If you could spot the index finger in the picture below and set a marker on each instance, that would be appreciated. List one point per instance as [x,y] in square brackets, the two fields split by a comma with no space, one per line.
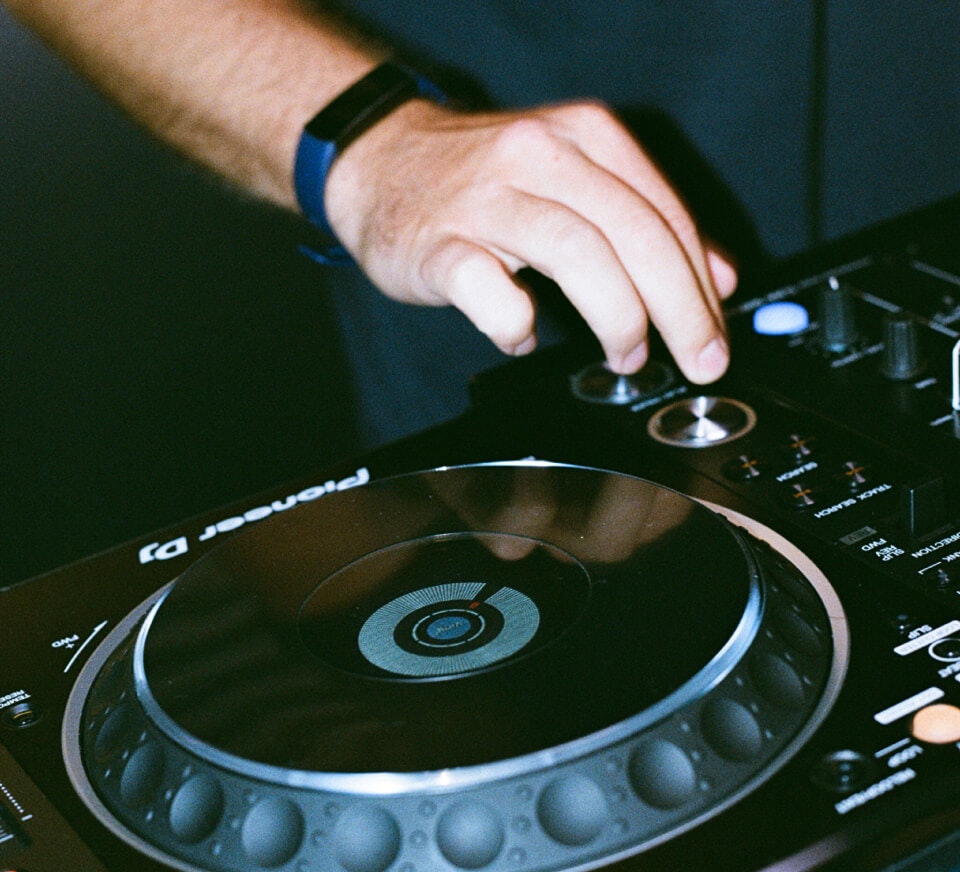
[656,238]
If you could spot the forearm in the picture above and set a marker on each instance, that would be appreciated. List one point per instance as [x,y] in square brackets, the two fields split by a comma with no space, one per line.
[437,207]
[230,83]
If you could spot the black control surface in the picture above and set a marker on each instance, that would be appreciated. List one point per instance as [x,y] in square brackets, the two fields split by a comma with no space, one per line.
[837,428]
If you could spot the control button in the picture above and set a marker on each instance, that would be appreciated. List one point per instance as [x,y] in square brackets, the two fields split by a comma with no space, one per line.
[272,832]
[798,633]
[801,496]
[780,319]
[662,774]
[731,730]
[115,730]
[598,384]
[843,772]
[470,835]
[743,468]
[799,447]
[901,359]
[141,776]
[366,838]
[196,808]
[572,810]
[838,328]
[700,422]
[778,682]
[937,724]
[853,475]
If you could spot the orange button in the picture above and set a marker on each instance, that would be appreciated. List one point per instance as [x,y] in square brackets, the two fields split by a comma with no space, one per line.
[937,724]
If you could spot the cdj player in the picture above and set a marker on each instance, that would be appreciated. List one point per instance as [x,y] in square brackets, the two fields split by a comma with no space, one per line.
[596,622]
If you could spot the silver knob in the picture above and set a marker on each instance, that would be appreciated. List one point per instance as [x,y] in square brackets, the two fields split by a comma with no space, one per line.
[598,384]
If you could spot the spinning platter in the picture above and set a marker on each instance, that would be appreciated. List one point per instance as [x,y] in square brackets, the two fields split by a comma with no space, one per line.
[487,666]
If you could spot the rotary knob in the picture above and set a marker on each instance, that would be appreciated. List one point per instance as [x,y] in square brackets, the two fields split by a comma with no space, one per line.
[838,327]
[598,384]
[901,347]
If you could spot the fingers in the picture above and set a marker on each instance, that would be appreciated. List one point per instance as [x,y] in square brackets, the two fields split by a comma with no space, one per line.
[609,181]
[617,256]
[460,203]
[475,281]
[613,291]
[722,271]
[560,243]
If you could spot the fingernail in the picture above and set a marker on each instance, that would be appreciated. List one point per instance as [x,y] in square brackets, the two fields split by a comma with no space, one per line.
[635,359]
[713,360]
[525,347]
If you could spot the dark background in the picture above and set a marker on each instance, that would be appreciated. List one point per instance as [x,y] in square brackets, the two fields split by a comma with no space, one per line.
[164,348]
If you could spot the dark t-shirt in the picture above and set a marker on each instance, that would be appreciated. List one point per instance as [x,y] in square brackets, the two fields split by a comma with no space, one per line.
[781,123]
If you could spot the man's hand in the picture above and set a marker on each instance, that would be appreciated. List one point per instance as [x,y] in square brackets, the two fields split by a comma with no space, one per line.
[443,207]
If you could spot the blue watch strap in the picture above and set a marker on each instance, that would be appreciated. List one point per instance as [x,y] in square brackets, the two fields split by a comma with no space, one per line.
[338,124]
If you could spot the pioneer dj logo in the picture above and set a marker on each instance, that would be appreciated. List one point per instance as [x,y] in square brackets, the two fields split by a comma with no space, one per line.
[180,545]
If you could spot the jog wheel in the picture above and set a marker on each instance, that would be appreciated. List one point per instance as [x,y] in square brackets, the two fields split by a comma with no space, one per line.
[517,666]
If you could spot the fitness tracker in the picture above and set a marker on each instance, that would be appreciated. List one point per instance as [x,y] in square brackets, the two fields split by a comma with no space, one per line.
[338,124]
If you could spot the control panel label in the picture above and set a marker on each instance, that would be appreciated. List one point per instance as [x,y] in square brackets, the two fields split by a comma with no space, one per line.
[936,546]
[875,790]
[9,699]
[180,545]
[908,706]
[927,639]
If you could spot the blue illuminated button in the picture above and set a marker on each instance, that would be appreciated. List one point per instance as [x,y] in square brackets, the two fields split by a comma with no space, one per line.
[780,319]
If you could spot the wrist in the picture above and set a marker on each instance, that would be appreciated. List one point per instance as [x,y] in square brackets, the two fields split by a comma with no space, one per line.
[337,126]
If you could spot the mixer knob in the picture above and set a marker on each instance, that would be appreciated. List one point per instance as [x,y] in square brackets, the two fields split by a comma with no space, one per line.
[838,328]
[598,384]
[901,347]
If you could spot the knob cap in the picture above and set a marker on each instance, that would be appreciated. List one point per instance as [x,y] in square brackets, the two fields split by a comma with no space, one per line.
[597,384]
[838,327]
[901,347]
